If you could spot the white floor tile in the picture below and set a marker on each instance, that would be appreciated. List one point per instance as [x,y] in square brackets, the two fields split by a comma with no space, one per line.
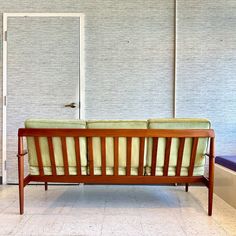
[114,210]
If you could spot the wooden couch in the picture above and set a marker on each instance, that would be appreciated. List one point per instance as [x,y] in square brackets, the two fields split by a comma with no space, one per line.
[155,151]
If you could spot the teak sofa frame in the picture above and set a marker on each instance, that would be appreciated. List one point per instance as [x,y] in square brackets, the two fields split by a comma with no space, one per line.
[182,134]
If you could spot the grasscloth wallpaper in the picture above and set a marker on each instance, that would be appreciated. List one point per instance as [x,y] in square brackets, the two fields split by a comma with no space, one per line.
[206,66]
[129,59]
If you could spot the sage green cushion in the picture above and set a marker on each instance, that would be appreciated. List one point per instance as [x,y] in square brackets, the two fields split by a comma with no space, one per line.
[159,171]
[198,171]
[178,124]
[110,171]
[46,123]
[72,171]
[116,124]
[60,170]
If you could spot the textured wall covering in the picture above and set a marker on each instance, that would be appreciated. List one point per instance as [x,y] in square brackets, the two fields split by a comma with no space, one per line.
[206,65]
[129,73]
[129,58]
[128,54]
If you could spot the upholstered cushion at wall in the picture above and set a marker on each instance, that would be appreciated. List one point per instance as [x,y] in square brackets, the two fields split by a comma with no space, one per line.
[178,124]
[40,123]
[116,124]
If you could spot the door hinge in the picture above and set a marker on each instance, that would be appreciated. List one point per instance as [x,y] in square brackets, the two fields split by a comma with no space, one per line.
[5,36]
[78,104]
[5,100]
[5,165]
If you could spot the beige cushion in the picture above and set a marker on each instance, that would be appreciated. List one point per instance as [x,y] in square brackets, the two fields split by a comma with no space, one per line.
[60,170]
[178,124]
[198,170]
[45,123]
[110,171]
[117,124]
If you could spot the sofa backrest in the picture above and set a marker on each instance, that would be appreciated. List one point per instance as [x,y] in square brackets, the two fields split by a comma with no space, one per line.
[178,124]
[122,151]
[57,144]
[117,124]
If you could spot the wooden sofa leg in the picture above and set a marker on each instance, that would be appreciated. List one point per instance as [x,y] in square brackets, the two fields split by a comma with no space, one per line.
[210,199]
[21,197]
[21,183]
[210,186]
[186,187]
[211,175]
[46,186]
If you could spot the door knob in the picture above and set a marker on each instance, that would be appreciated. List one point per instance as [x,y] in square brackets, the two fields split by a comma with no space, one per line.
[71,105]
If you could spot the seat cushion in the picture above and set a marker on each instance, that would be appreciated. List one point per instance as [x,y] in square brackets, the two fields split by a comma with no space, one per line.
[46,123]
[178,124]
[227,161]
[59,170]
[198,170]
[110,171]
[117,124]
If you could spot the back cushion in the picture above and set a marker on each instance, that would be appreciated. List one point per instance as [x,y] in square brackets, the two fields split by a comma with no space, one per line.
[178,124]
[43,123]
[116,124]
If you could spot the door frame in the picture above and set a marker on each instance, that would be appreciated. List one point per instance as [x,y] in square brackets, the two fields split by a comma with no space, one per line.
[81,76]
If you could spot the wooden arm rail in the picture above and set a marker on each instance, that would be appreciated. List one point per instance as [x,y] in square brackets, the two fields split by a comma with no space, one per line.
[115,178]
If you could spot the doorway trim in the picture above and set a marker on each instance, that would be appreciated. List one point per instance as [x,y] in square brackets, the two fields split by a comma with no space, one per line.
[81,79]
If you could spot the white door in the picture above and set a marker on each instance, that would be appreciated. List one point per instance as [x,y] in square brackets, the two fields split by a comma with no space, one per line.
[43,70]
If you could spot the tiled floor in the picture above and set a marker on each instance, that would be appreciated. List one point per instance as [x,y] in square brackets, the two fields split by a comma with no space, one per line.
[114,210]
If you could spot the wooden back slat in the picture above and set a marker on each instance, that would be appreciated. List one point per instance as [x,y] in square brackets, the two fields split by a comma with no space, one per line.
[65,156]
[193,156]
[52,156]
[39,156]
[90,156]
[154,156]
[167,156]
[128,156]
[180,156]
[141,156]
[103,149]
[116,156]
[77,155]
